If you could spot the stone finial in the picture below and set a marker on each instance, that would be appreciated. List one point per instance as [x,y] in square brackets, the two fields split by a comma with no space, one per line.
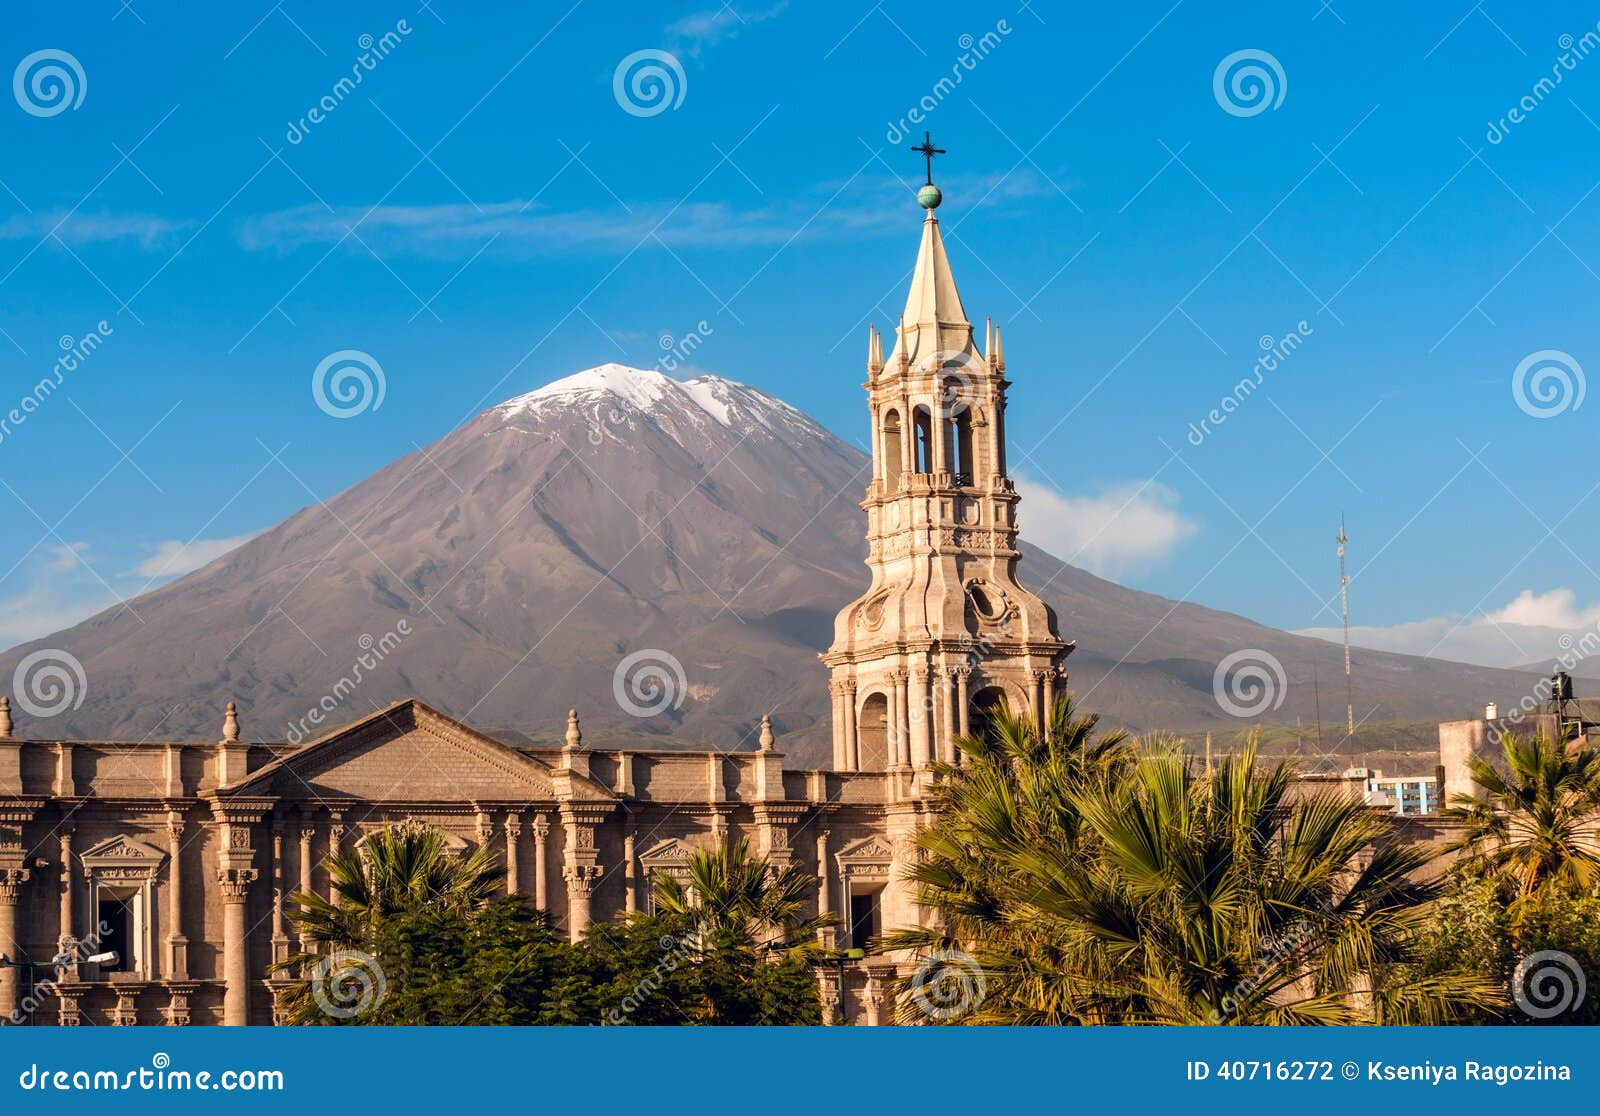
[230,725]
[766,733]
[574,734]
[5,718]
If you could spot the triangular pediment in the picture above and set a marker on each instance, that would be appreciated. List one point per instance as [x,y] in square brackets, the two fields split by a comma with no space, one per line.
[868,850]
[409,753]
[673,852]
[123,850]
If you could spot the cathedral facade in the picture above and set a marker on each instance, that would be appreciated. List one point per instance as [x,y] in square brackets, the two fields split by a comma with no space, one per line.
[179,858]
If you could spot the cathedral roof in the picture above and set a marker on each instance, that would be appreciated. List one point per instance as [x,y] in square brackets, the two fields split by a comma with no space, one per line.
[934,320]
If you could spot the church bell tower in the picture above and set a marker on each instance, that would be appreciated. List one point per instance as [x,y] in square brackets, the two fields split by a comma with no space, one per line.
[946,632]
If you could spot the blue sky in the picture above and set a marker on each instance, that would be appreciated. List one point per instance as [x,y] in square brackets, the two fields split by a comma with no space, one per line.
[1138,240]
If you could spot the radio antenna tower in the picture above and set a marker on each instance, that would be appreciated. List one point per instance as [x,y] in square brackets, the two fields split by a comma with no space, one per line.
[1344,607]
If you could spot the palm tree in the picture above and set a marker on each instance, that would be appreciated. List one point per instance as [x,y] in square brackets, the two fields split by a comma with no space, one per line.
[403,869]
[732,896]
[1534,823]
[1103,886]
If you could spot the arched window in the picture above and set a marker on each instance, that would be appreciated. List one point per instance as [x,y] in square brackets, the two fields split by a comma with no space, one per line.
[960,442]
[891,450]
[924,424]
[872,734]
[985,704]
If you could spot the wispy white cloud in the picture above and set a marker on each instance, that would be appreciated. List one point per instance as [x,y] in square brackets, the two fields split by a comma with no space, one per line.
[461,229]
[1533,629]
[702,30]
[1121,530]
[173,558]
[147,229]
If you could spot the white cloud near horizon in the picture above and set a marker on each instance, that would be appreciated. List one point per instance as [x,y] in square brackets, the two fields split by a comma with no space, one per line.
[57,588]
[1533,629]
[173,558]
[1123,529]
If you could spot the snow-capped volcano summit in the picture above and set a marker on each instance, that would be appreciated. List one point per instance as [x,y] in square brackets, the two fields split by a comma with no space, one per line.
[612,386]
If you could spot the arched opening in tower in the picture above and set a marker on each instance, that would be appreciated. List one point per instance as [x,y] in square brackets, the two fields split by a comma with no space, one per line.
[891,450]
[960,443]
[924,424]
[987,703]
[872,730]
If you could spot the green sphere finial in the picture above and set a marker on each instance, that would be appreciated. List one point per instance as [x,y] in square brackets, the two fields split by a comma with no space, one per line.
[929,197]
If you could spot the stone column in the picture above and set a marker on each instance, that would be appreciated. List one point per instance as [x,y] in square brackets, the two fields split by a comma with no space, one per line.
[235,883]
[964,699]
[280,883]
[177,944]
[902,719]
[580,868]
[1037,698]
[841,744]
[1049,697]
[824,898]
[631,900]
[921,707]
[541,854]
[852,730]
[306,863]
[11,881]
[335,838]
[872,998]
[67,942]
[513,834]
[952,716]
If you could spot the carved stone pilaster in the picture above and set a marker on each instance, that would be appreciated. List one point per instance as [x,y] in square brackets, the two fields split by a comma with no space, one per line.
[68,1011]
[126,1013]
[177,1009]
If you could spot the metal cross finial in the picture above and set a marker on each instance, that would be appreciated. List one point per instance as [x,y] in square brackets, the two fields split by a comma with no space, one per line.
[928,151]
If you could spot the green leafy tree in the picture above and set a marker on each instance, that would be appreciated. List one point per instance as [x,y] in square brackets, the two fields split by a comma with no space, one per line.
[669,970]
[1534,822]
[734,897]
[1096,884]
